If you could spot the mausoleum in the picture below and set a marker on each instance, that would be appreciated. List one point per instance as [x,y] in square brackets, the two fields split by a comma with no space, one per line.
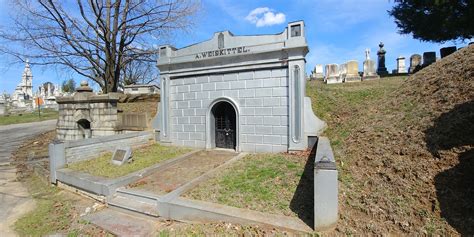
[238,92]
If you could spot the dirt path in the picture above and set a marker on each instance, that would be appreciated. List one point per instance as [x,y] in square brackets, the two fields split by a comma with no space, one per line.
[14,198]
[183,172]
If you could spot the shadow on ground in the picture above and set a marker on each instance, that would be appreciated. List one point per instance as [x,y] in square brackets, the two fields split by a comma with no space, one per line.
[302,202]
[455,186]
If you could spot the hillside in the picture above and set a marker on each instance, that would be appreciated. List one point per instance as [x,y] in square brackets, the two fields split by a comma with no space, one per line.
[405,149]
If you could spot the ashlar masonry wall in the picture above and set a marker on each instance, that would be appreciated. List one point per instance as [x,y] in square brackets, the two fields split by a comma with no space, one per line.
[261,97]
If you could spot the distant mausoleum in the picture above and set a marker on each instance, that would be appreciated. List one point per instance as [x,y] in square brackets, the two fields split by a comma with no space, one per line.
[141,89]
[238,92]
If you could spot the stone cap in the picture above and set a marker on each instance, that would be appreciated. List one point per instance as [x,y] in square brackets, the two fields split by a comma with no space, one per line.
[88,98]
[84,87]
[324,158]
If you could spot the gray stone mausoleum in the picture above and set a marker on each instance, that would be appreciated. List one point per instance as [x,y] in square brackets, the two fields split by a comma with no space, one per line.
[239,92]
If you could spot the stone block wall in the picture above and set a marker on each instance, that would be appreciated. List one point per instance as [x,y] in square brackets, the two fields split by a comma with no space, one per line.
[261,96]
[90,148]
[98,110]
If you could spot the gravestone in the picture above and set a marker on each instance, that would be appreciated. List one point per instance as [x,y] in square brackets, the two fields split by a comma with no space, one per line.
[429,58]
[121,155]
[401,65]
[332,74]
[369,68]
[381,69]
[415,63]
[342,72]
[447,51]
[352,74]
[318,72]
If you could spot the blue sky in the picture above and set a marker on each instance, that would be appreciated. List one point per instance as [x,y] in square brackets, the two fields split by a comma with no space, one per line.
[336,31]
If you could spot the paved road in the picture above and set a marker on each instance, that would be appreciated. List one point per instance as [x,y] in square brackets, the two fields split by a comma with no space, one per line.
[14,198]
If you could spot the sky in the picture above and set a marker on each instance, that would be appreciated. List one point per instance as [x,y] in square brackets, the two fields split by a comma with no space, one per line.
[336,32]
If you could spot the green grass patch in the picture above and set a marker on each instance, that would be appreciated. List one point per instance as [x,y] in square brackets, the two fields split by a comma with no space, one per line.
[52,213]
[142,157]
[28,117]
[262,182]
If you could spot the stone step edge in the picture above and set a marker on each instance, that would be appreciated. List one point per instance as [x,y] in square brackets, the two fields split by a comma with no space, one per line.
[138,195]
[195,211]
[131,205]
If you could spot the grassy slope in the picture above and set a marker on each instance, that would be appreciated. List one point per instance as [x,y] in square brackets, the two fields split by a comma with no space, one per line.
[404,149]
[28,117]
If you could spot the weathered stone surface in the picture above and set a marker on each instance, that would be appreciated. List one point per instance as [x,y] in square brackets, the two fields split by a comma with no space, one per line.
[369,70]
[332,74]
[86,115]
[401,65]
[415,63]
[352,74]
[318,72]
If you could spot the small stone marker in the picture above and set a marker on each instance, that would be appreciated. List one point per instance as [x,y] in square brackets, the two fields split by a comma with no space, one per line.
[429,58]
[352,71]
[121,155]
[401,65]
[415,63]
[447,51]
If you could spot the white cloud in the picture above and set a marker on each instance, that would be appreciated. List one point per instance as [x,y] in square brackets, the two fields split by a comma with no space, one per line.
[264,16]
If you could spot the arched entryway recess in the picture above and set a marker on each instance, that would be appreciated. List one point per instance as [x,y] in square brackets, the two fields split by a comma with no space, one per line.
[222,124]
[84,127]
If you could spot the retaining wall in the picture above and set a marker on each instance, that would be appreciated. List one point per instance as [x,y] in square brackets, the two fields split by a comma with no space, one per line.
[62,153]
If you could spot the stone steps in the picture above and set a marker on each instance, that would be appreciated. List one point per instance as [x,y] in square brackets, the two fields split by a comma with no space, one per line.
[135,201]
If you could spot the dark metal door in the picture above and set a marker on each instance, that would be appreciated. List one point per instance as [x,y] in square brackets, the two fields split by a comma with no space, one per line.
[225,126]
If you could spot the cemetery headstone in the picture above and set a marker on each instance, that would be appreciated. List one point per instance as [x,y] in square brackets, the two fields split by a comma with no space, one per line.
[318,72]
[121,155]
[429,58]
[415,63]
[352,74]
[342,72]
[401,65]
[447,51]
[332,74]
[381,69]
[369,67]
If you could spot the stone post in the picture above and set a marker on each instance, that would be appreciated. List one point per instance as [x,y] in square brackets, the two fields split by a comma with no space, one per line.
[57,158]
[325,187]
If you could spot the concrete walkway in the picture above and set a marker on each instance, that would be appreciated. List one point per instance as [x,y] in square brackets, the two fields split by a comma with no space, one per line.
[14,198]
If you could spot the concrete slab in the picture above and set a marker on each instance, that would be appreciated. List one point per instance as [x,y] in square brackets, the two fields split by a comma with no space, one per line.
[122,224]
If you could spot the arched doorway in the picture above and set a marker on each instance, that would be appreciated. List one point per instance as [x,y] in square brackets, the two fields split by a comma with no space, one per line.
[84,128]
[224,124]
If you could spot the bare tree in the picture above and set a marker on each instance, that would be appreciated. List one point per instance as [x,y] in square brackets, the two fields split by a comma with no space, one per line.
[98,39]
[140,72]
